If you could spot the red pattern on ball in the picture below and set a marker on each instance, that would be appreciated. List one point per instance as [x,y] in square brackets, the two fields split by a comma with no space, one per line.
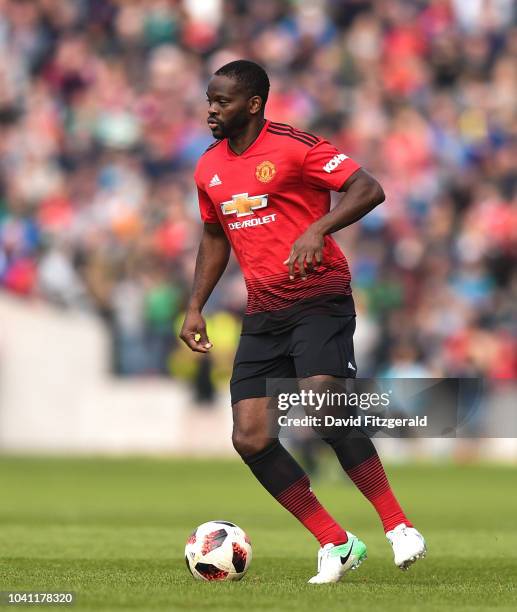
[211,575]
[212,540]
[239,555]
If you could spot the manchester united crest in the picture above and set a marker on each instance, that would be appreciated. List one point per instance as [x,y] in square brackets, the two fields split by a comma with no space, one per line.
[265,171]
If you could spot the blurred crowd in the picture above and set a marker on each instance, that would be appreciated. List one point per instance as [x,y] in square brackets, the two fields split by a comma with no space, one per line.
[102,119]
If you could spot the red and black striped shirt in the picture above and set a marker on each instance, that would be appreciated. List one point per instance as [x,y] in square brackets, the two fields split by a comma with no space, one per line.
[265,199]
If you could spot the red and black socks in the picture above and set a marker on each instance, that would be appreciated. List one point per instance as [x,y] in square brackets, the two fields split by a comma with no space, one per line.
[358,457]
[285,480]
[280,475]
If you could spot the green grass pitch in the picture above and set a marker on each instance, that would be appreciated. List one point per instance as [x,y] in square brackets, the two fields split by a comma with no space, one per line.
[113,531]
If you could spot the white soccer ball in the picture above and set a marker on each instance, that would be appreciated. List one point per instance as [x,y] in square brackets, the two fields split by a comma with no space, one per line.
[218,550]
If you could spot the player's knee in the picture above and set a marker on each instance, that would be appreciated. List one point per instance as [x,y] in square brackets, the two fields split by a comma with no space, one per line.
[248,443]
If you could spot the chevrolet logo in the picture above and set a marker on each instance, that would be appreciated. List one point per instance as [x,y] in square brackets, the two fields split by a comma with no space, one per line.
[242,204]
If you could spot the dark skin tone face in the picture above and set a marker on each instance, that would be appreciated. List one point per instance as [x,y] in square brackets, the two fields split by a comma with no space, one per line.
[233,113]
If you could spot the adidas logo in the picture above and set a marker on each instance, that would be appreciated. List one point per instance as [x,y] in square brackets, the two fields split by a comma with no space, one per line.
[215,181]
[351,366]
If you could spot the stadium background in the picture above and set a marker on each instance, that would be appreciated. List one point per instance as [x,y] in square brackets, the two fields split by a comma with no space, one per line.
[102,119]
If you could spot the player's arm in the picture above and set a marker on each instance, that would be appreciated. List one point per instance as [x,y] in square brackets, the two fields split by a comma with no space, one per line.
[362,193]
[212,259]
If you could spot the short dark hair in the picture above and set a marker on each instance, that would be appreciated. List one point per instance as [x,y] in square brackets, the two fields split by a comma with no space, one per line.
[248,74]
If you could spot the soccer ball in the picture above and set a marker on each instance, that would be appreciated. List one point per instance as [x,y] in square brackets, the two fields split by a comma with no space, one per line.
[218,550]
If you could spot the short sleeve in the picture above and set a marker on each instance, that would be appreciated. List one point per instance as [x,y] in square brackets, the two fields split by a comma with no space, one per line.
[325,167]
[206,207]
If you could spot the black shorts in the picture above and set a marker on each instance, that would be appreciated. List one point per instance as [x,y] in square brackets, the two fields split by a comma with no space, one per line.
[317,344]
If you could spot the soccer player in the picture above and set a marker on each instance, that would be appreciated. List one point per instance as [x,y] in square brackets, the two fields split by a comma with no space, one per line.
[264,189]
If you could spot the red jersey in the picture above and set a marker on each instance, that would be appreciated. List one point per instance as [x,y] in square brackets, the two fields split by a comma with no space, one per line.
[265,198]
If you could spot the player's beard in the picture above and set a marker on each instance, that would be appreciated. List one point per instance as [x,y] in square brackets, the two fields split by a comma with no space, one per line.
[231,129]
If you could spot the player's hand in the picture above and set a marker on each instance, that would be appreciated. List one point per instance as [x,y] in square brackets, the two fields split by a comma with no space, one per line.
[306,253]
[193,332]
